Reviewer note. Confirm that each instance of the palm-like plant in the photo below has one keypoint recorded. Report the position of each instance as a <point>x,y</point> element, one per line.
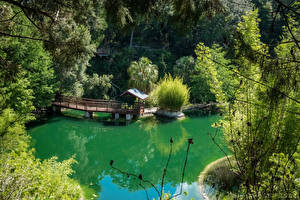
<point>143,74</point>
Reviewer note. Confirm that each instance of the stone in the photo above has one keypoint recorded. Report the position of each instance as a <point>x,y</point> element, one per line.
<point>169,114</point>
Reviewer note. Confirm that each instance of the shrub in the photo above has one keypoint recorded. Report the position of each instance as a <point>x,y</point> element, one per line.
<point>171,93</point>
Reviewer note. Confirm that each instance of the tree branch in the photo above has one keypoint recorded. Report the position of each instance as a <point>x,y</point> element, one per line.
<point>18,4</point>
<point>24,37</point>
<point>24,11</point>
<point>287,7</point>
<point>289,29</point>
<point>10,19</point>
<point>166,167</point>
<point>253,80</point>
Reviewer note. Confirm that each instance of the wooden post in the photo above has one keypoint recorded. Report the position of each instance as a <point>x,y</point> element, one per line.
<point>56,109</point>
<point>88,114</point>
<point>129,116</point>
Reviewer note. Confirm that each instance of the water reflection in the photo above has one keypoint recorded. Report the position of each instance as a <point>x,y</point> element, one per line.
<point>191,191</point>
<point>140,147</point>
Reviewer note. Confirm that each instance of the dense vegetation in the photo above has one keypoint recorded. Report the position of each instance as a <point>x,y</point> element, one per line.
<point>143,74</point>
<point>171,94</point>
<point>249,64</point>
<point>261,123</point>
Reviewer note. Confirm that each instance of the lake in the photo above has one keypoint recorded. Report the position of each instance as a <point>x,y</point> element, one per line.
<point>138,147</point>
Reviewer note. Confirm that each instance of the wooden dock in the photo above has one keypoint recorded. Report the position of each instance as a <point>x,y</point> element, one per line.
<point>98,105</point>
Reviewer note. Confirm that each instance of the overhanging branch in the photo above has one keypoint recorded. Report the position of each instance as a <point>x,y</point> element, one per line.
<point>24,37</point>
<point>18,4</point>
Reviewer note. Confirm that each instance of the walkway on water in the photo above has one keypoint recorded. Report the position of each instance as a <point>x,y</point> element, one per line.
<point>99,105</point>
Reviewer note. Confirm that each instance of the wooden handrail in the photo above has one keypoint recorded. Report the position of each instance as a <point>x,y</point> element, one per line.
<point>98,104</point>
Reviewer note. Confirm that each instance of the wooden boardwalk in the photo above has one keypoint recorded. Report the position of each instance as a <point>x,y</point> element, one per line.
<point>98,105</point>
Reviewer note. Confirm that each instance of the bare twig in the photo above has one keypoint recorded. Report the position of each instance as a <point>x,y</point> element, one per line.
<point>165,169</point>
<point>160,194</point>
<point>134,175</point>
<point>190,141</point>
<point>221,149</point>
<point>144,190</point>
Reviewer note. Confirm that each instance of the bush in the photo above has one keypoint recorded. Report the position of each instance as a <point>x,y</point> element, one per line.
<point>171,94</point>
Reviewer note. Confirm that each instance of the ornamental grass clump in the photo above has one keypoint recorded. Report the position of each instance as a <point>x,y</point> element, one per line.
<point>171,93</point>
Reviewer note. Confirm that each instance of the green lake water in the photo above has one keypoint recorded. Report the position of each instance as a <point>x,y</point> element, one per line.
<point>139,147</point>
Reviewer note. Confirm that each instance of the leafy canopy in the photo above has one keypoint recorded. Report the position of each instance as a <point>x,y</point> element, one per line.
<point>143,74</point>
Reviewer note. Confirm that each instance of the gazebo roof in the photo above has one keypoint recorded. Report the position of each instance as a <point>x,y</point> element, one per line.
<point>136,93</point>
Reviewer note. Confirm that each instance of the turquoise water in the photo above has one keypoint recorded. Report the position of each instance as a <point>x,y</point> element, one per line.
<point>139,147</point>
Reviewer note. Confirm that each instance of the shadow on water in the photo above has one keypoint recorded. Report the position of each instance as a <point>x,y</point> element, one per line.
<point>78,116</point>
<point>41,121</point>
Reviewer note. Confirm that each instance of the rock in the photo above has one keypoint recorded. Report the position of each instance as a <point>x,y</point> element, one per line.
<point>170,114</point>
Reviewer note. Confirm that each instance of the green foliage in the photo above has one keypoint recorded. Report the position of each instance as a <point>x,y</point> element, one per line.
<point>181,12</point>
<point>27,80</point>
<point>211,62</point>
<point>219,173</point>
<point>187,68</point>
<point>97,86</point>
<point>26,60</point>
<point>271,27</point>
<point>24,177</point>
<point>64,28</point>
<point>260,122</point>
<point>33,64</point>
<point>15,93</point>
<point>12,131</point>
<point>171,93</point>
<point>70,66</point>
<point>279,182</point>
<point>200,90</point>
<point>297,161</point>
<point>143,74</point>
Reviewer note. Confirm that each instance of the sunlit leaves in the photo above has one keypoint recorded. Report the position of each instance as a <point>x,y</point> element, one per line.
<point>143,74</point>
<point>24,177</point>
<point>261,118</point>
<point>171,93</point>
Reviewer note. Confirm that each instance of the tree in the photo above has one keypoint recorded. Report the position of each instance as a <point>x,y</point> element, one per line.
<point>63,27</point>
<point>97,87</point>
<point>143,74</point>
<point>32,63</point>
<point>187,68</point>
<point>185,12</point>
<point>22,176</point>
<point>260,124</point>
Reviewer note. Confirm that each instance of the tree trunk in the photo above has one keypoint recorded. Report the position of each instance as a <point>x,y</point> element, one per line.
<point>131,38</point>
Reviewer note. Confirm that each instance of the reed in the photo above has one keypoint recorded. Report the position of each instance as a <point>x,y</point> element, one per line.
<point>171,93</point>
